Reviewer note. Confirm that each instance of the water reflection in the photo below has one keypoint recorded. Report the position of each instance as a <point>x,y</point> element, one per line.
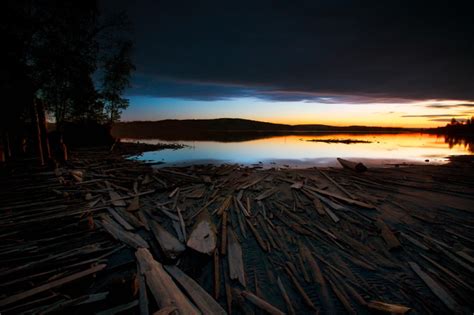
<point>465,141</point>
<point>298,151</point>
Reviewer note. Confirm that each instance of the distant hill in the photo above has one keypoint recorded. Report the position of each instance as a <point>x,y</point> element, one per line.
<point>225,129</point>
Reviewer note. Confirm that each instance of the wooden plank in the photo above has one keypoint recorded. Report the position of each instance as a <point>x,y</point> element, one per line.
<point>51,285</point>
<point>339,197</point>
<point>198,295</point>
<point>203,237</point>
<point>387,308</point>
<point>337,184</point>
<point>217,275</point>
<point>285,296</point>
<point>120,220</point>
<point>142,295</point>
<point>224,233</point>
<point>170,245</point>
<point>163,288</point>
<point>131,239</point>
<point>387,235</point>
<point>436,288</point>
<point>261,303</point>
<point>181,222</point>
<point>234,257</point>
<point>266,194</point>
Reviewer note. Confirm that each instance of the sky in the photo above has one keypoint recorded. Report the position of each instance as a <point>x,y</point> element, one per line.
<point>339,62</point>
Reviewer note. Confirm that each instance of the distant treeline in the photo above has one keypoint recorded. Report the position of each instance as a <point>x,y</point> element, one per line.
<point>225,129</point>
<point>456,127</point>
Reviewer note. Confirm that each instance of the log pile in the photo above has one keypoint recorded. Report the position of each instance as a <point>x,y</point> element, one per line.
<point>104,234</point>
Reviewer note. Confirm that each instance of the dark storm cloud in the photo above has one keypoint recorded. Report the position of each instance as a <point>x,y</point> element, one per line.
<point>308,49</point>
<point>449,105</point>
<point>431,115</point>
<point>448,119</point>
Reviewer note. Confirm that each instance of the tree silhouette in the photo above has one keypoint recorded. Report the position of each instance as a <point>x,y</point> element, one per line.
<point>117,70</point>
<point>53,53</point>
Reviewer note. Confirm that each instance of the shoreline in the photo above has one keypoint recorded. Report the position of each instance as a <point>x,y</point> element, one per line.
<point>363,232</point>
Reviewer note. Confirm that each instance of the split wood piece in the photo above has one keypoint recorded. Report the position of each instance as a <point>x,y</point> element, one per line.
<point>116,199</point>
<point>120,220</point>
<point>337,184</point>
<point>142,294</point>
<point>134,204</point>
<point>196,193</point>
<point>198,295</point>
<point>267,232</point>
<point>187,176</point>
<point>318,278</point>
<point>203,237</point>
<point>387,235</point>
<point>163,288</point>
<point>240,219</point>
<point>387,308</point>
<point>436,288</point>
<point>130,218</point>
<point>179,232</point>
<point>414,241</point>
<point>224,233</point>
<point>131,239</point>
<point>169,244</point>
<point>119,308</point>
<point>342,297</point>
<point>331,214</point>
<point>234,257</point>
<point>174,192</point>
<point>355,166</point>
<point>351,290</point>
<point>266,194</point>
<point>257,236</point>
<point>181,222</point>
<point>169,214</point>
<point>285,296</point>
<point>330,203</point>
<point>339,197</point>
<point>253,182</point>
<point>203,207</point>
<point>465,255</point>
<point>217,275</point>
<point>166,311</point>
<point>51,285</point>
<point>300,289</point>
<point>228,289</point>
<point>224,206</point>
<point>319,206</point>
<point>242,207</point>
<point>297,185</point>
<point>142,217</point>
<point>261,303</point>
<point>448,272</point>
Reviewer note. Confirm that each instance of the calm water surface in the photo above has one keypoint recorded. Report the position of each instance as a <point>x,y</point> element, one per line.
<point>296,151</point>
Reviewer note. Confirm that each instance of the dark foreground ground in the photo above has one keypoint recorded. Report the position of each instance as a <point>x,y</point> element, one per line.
<point>99,236</point>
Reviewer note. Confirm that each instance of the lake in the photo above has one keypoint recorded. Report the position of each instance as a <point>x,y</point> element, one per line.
<point>301,151</point>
